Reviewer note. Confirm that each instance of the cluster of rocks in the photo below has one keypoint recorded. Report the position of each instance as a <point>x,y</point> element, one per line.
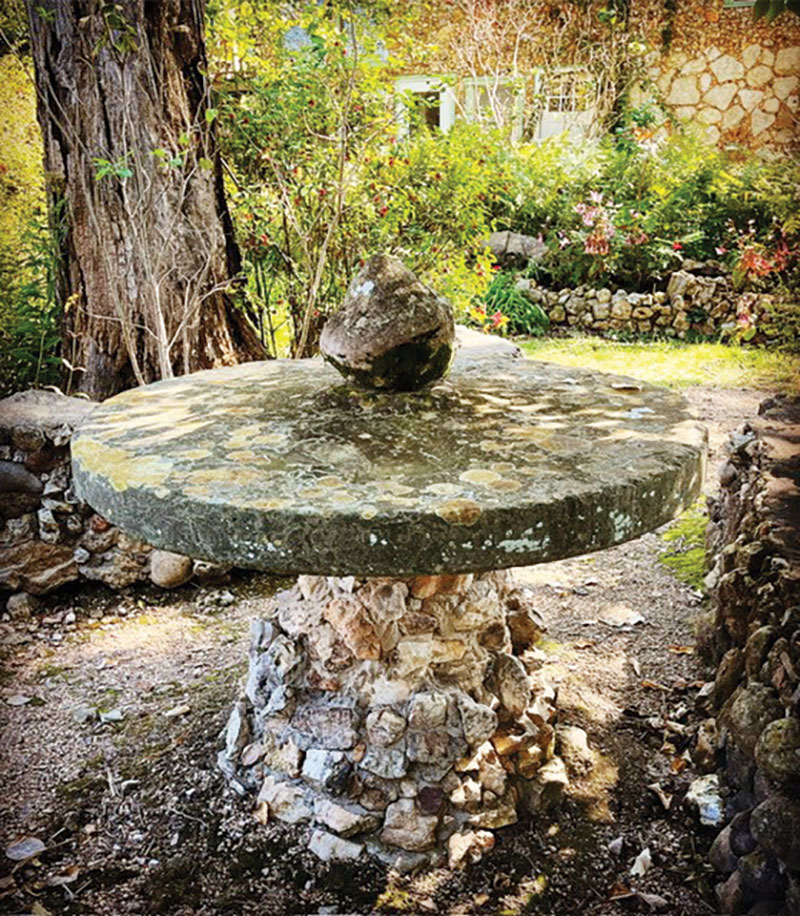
<point>752,96</point>
<point>755,584</point>
<point>401,717</point>
<point>700,298</point>
<point>48,537</point>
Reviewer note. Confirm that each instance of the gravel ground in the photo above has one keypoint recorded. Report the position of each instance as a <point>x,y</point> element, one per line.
<point>109,761</point>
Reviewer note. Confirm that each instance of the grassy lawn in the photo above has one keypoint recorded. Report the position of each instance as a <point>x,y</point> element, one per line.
<point>674,363</point>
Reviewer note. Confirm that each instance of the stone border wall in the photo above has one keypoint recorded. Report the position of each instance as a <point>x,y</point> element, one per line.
<point>48,537</point>
<point>697,299</point>
<point>754,542</point>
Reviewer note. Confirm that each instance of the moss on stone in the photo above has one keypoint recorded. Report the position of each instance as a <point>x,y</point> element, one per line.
<point>685,541</point>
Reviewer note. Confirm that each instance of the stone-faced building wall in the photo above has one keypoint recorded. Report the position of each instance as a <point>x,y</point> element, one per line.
<point>738,79</point>
<point>705,63</point>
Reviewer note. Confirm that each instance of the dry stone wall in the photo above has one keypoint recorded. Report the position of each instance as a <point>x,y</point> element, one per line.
<point>48,537</point>
<point>755,584</point>
<point>699,298</point>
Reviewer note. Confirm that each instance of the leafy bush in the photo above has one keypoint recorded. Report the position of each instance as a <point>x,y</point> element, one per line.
<point>30,333</point>
<point>629,215</point>
<point>504,307</point>
<point>29,319</point>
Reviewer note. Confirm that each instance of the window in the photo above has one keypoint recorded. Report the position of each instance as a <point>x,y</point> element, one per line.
<point>423,101</point>
<point>567,104</point>
<point>494,102</point>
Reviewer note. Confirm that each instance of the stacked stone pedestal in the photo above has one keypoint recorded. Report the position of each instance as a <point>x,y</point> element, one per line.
<point>397,716</point>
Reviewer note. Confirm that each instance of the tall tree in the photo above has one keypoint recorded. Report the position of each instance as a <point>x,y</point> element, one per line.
<point>130,148</point>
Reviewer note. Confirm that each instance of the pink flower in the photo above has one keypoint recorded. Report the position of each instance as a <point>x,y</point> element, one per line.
<point>677,246</point>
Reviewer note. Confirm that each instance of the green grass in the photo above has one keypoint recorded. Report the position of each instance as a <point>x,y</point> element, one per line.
<point>674,363</point>
<point>685,546</point>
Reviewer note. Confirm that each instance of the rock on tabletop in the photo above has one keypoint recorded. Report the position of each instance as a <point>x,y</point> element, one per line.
<point>392,331</point>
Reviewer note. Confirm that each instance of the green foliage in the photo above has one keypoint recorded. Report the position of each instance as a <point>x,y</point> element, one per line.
<point>626,211</point>
<point>685,546</point>
<point>29,320</point>
<point>13,25</point>
<point>507,307</point>
<point>771,9</point>
<point>322,178</point>
<point>30,334</point>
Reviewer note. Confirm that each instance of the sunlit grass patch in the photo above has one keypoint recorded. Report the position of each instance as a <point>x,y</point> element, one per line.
<point>675,364</point>
<point>685,546</point>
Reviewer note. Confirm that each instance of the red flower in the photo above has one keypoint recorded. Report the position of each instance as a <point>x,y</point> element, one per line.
<point>677,246</point>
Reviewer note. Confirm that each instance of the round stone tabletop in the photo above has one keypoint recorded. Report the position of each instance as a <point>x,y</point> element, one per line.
<point>278,466</point>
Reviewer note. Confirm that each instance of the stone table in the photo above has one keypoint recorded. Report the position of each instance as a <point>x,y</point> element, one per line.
<point>390,703</point>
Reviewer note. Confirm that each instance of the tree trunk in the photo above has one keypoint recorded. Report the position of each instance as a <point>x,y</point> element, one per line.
<point>148,252</point>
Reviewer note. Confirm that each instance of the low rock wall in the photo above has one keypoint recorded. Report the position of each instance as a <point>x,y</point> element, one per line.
<point>755,585</point>
<point>705,303</point>
<point>48,537</point>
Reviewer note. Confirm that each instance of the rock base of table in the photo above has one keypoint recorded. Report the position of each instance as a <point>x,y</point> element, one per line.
<point>401,717</point>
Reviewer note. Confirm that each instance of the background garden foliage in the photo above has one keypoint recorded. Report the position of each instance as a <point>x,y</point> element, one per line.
<point>319,177</point>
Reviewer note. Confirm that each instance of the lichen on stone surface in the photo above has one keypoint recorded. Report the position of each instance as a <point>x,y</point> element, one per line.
<point>391,483</point>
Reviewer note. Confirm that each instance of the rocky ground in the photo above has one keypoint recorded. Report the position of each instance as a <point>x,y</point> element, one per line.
<point>112,707</point>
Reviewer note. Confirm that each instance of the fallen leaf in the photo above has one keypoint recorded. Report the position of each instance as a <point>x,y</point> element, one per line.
<point>654,685</point>
<point>480,899</point>
<point>176,711</point>
<point>37,909</point>
<point>8,885</point>
<point>642,863</point>
<point>261,813</point>
<point>619,890</point>
<point>25,848</point>
<point>637,668</point>
<point>65,877</point>
<point>681,650</point>
<point>678,764</point>
<point>584,644</point>
<point>620,615</point>
<point>18,699</point>
<point>664,797</point>
<point>615,846</point>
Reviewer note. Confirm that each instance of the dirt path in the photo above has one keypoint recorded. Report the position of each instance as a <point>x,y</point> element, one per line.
<point>110,761</point>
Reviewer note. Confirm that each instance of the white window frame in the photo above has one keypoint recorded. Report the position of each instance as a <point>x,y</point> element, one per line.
<point>472,85</point>
<point>576,122</point>
<point>426,84</point>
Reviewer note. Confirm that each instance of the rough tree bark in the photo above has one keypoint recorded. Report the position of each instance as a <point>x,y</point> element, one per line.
<point>148,251</point>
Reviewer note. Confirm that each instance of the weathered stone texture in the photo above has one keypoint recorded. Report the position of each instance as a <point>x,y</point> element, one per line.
<point>700,296</point>
<point>401,752</point>
<point>755,585</point>
<point>49,537</point>
<point>392,332</point>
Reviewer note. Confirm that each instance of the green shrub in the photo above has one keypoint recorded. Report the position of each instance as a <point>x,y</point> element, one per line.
<point>506,308</point>
<point>29,317</point>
